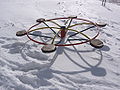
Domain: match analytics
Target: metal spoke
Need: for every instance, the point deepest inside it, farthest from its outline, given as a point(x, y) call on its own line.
point(40, 35)
point(63, 34)
point(49, 27)
point(79, 24)
point(70, 22)
point(55, 23)
point(81, 31)
point(76, 39)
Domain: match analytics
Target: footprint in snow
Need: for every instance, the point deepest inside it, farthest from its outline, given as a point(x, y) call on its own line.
point(2, 42)
point(14, 47)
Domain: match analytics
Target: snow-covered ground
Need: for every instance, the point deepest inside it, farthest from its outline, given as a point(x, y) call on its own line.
point(24, 67)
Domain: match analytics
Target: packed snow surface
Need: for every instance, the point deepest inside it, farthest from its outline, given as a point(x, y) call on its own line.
point(23, 66)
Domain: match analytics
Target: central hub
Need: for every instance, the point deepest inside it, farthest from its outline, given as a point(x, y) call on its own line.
point(63, 27)
point(63, 31)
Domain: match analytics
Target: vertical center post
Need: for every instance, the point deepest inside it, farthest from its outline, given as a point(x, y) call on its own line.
point(63, 32)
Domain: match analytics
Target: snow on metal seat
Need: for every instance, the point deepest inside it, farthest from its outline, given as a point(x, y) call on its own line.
point(72, 16)
point(101, 24)
point(21, 33)
point(40, 20)
point(96, 43)
point(48, 48)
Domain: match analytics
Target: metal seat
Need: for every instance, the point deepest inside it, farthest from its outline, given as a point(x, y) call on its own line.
point(101, 24)
point(21, 33)
point(72, 16)
point(96, 43)
point(40, 20)
point(48, 48)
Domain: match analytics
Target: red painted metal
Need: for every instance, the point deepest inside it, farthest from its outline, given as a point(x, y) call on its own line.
point(63, 33)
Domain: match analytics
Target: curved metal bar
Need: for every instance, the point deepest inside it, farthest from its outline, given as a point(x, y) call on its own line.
point(42, 28)
point(27, 33)
point(89, 39)
point(79, 24)
point(81, 31)
point(73, 18)
point(49, 27)
point(78, 43)
point(55, 36)
point(55, 23)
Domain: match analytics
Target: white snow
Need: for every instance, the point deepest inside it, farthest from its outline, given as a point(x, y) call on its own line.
point(23, 66)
